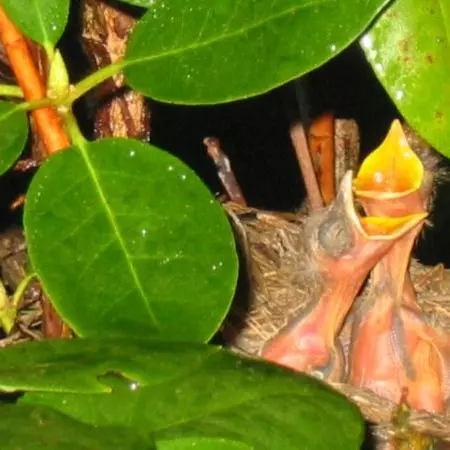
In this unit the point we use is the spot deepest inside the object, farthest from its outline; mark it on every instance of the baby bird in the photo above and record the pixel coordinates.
(393, 347)
(309, 342)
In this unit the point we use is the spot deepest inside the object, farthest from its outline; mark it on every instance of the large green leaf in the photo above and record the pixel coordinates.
(41, 20)
(182, 393)
(198, 51)
(202, 444)
(126, 239)
(141, 3)
(409, 49)
(41, 428)
(13, 134)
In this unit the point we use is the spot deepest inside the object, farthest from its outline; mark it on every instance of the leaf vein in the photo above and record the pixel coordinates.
(238, 32)
(115, 228)
(445, 20)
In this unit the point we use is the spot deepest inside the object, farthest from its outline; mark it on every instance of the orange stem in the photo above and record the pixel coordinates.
(48, 122)
(321, 144)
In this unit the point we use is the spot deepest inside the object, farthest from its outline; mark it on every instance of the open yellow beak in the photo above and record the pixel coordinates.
(391, 183)
(392, 170)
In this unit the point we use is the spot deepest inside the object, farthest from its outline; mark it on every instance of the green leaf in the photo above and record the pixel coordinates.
(409, 49)
(182, 393)
(41, 20)
(141, 3)
(41, 428)
(202, 444)
(198, 51)
(127, 240)
(13, 134)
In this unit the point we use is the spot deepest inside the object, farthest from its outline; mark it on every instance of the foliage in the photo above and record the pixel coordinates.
(185, 393)
(46, 429)
(194, 59)
(152, 245)
(14, 131)
(128, 241)
(409, 49)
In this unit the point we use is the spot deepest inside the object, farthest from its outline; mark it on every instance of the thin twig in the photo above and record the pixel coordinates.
(300, 144)
(224, 170)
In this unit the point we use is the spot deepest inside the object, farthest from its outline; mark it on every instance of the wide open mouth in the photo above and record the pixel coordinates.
(374, 227)
(391, 170)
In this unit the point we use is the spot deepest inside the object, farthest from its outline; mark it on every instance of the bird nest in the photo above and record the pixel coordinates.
(278, 284)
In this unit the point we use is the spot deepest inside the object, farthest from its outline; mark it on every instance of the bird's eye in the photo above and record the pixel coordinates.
(334, 236)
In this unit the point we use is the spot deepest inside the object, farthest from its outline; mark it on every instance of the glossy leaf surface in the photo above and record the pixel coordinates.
(202, 443)
(198, 51)
(13, 134)
(41, 20)
(41, 428)
(182, 393)
(127, 240)
(409, 49)
(142, 3)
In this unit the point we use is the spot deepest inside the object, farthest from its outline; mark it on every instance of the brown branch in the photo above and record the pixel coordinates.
(304, 159)
(224, 170)
(48, 121)
(346, 148)
(119, 112)
(321, 144)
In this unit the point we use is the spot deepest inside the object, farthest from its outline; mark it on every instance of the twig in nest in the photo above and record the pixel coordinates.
(304, 159)
(224, 170)
(321, 144)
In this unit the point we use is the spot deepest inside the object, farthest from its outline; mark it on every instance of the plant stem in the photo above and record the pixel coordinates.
(47, 120)
(6, 90)
(73, 129)
(18, 294)
(36, 104)
(93, 80)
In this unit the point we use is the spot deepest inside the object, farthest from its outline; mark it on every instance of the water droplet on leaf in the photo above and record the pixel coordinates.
(399, 94)
(367, 41)
(134, 386)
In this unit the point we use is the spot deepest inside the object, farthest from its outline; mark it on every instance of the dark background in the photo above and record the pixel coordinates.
(254, 135)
